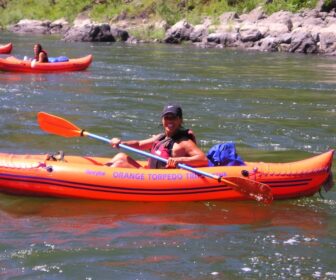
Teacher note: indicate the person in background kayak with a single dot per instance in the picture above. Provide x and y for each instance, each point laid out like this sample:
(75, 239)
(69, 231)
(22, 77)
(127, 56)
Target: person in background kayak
(176, 144)
(40, 55)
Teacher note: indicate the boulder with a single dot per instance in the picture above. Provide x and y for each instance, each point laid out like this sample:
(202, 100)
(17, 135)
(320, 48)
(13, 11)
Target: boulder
(120, 34)
(226, 39)
(200, 31)
(31, 26)
(59, 26)
(77, 33)
(96, 33)
(276, 24)
(100, 33)
(285, 38)
(179, 32)
(327, 38)
(268, 44)
(250, 33)
(303, 42)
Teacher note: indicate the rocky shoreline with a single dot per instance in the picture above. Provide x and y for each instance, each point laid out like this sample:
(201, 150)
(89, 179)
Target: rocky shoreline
(308, 31)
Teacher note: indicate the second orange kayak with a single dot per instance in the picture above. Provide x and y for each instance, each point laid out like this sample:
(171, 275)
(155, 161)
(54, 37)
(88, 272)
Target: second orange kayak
(13, 64)
(6, 48)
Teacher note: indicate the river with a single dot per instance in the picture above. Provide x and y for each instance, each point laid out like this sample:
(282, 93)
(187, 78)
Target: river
(275, 106)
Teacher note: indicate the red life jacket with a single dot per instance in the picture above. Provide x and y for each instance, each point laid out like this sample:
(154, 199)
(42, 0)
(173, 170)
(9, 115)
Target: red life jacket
(163, 147)
(45, 56)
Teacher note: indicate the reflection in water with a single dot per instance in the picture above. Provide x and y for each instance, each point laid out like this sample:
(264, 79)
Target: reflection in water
(46, 81)
(106, 213)
(49, 235)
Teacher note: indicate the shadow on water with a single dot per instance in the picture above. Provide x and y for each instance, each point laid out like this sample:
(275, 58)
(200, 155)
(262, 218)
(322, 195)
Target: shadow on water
(291, 213)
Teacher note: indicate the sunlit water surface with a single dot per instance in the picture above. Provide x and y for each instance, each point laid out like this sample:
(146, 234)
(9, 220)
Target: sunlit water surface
(276, 107)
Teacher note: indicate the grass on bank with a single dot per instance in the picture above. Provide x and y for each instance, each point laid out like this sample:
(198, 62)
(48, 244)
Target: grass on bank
(171, 11)
(148, 34)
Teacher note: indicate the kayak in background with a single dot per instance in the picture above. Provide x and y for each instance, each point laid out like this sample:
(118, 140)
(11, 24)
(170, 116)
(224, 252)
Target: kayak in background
(13, 64)
(4, 49)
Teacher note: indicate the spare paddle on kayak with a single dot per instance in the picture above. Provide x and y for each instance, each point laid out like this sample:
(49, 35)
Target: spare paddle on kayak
(253, 189)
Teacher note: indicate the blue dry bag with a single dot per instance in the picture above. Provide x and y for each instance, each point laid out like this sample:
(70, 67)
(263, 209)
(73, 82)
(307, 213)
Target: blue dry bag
(224, 154)
(58, 59)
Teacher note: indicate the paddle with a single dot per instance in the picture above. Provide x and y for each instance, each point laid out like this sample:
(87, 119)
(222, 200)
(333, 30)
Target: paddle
(253, 189)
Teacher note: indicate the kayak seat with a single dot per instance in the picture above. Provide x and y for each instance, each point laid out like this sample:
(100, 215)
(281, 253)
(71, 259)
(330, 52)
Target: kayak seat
(58, 156)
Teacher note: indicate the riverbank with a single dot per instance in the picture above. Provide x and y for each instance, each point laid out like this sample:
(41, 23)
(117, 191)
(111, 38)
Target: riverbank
(309, 31)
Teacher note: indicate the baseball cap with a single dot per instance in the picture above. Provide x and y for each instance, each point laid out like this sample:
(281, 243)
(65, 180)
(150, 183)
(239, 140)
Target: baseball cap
(174, 109)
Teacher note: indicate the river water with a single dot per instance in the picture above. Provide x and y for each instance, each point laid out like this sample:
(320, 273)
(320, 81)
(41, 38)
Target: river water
(276, 107)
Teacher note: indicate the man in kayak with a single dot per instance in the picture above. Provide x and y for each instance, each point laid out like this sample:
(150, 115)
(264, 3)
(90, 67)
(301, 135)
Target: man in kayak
(176, 144)
(40, 55)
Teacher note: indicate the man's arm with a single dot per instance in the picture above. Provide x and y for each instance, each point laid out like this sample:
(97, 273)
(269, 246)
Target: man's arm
(189, 153)
(145, 144)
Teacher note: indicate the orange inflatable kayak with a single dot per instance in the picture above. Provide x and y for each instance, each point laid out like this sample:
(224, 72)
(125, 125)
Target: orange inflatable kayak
(6, 48)
(90, 178)
(13, 64)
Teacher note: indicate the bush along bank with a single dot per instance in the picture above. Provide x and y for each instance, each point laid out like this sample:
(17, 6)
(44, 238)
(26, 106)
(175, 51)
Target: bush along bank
(307, 31)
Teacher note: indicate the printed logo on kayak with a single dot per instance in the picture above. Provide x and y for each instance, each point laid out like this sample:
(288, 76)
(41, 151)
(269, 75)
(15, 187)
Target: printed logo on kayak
(95, 173)
(150, 176)
(128, 175)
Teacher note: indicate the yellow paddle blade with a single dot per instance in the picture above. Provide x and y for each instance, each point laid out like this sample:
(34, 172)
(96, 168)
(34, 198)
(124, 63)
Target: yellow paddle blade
(56, 125)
